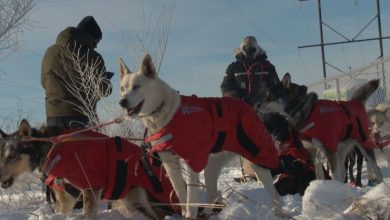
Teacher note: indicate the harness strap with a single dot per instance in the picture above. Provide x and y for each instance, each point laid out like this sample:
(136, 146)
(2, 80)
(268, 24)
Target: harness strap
(345, 110)
(348, 132)
(360, 129)
(120, 179)
(73, 191)
(49, 196)
(120, 173)
(221, 136)
(245, 141)
(156, 160)
(157, 186)
(118, 143)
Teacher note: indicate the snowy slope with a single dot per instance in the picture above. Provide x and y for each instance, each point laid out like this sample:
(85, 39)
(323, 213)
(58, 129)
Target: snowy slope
(322, 200)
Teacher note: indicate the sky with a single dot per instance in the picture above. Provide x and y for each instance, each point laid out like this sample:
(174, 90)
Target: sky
(201, 40)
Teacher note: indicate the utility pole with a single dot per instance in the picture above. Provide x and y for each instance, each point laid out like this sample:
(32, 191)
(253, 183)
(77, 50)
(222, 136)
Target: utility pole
(322, 41)
(381, 44)
(347, 40)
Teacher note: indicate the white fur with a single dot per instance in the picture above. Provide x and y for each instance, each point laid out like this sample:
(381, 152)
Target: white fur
(145, 86)
(380, 121)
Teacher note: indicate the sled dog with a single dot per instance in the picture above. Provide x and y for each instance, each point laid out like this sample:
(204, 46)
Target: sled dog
(19, 153)
(380, 120)
(204, 132)
(329, 129)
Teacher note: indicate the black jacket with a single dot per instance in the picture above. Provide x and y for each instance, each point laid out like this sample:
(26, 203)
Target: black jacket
(249, 81)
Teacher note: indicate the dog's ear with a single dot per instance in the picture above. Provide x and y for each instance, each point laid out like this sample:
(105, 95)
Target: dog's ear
(286, 81)
(24, 129)
(147, 67)
(123, 69)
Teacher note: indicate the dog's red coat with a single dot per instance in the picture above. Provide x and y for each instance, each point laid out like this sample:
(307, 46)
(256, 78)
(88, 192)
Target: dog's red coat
(193, 131)
(92, 164)
(328, 123)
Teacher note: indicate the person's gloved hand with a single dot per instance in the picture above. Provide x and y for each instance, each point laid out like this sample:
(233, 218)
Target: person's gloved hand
(108, 75)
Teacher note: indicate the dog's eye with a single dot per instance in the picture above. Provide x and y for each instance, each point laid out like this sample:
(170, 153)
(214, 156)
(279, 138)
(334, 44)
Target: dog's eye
(135, 87)
(122, 89)
(10, 157)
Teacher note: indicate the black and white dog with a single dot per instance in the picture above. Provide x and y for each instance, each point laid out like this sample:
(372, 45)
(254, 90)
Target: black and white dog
(327, 129)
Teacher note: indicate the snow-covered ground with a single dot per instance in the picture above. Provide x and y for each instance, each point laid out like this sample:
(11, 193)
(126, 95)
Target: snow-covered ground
(322, 200)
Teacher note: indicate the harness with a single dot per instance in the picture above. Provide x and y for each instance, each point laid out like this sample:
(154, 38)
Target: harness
(350, 117)
(115, 170)
(202, 126)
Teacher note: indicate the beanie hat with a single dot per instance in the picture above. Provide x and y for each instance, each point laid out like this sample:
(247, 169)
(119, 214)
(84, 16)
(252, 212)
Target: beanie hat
(89, 25)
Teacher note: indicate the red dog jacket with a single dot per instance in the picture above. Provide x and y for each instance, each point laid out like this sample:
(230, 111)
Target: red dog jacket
(331, 122)
(102, 162)
(202, 126)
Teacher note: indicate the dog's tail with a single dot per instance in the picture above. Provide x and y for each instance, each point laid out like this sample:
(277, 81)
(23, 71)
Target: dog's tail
(365, 91)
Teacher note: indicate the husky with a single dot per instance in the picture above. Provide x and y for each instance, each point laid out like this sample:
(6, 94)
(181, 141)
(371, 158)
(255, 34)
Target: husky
(380, 120)
(204, 132)
(296, 169)
(328, 129)
(20, 153)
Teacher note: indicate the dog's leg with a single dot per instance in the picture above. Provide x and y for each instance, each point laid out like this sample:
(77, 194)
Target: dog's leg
(351, 158)
(173, 168)
(337, 160)
(211, 173)
(264, 175)
(193, 191)
(138, 198)
(64, 202)
(317, 154)
(91, 200)
(371, 161)
(386, 152)
(334, 166)
(359, 167)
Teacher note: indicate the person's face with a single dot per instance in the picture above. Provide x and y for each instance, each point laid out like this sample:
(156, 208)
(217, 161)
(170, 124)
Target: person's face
(249, 51)
(95, 41)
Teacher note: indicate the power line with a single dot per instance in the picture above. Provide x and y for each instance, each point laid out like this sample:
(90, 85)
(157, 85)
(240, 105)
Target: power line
(257, 27)
(18, 84)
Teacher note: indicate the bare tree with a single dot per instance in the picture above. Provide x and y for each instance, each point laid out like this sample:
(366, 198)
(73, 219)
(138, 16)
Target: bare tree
(86, 88)
(151, 37)
(152, 33)
(14, 15)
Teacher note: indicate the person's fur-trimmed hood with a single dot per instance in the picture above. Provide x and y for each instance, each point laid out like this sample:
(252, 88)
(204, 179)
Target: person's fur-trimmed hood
(262, 55)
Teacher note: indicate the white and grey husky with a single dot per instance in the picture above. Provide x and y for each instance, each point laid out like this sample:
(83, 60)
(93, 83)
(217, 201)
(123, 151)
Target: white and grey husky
(143, 94)
(380, 121)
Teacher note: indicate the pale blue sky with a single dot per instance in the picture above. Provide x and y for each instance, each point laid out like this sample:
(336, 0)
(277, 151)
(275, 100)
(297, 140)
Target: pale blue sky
(203, 36)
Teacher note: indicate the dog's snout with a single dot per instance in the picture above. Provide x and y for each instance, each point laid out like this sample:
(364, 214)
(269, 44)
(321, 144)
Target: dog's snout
(123, 103)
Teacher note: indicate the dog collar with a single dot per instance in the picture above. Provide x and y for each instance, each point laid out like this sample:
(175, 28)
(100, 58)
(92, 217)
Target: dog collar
(154, 111)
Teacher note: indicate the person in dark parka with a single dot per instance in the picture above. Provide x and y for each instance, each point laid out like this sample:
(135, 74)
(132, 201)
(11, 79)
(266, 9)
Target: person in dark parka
(58, 71)
(249, 77)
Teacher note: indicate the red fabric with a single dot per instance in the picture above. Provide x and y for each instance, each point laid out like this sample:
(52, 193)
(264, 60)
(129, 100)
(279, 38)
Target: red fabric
(195, 126)
(92, 164)
(292, 150)
(330, 122)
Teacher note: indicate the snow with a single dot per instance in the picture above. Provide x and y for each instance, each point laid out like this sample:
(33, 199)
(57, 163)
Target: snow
(322, 200)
